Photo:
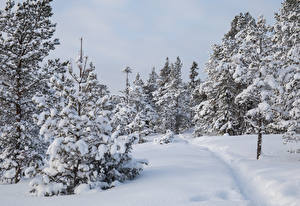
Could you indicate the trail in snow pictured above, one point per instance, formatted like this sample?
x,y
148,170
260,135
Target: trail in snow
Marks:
x,y
245,188
272,180
179,174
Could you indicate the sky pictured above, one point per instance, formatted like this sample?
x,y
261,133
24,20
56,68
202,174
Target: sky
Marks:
x,y
142,33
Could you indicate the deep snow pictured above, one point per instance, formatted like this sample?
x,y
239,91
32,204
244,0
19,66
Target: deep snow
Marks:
x,y
210,171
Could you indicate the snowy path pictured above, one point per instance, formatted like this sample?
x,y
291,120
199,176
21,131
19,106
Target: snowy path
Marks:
x,y
191,175
178,174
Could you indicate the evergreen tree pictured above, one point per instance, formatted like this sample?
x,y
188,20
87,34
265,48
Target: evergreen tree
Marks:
x,y
293,131
259,117
123,114
194,81
171,99
25,40
151,85
227,117
163,80
145,119
254,65
203,119
206,107
218,113
257,98
83,151
127,71
286,49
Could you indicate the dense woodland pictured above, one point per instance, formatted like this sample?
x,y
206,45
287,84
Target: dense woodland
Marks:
x,y
59,123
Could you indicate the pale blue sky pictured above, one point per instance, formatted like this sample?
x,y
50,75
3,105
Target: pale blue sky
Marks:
x,y
142,33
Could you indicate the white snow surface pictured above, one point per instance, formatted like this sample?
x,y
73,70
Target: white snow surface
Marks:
x,y
204,171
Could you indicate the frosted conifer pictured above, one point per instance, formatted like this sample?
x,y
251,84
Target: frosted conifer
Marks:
x,y
25,40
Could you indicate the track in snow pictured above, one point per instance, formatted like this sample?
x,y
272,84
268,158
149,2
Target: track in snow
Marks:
x,y
178,174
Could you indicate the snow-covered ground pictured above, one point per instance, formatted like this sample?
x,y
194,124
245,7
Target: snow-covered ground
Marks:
x,y
210,171
273,180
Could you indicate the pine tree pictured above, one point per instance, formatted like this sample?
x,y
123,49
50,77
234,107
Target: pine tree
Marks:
x,y
218,113
254,61
164,75
83,150
181,97
227,115
151,85
287,46
123,114
256,99
259,117
293,131
145,119
194,81
206,106
158,96
286,59
127,71
171,99
25,40
203,119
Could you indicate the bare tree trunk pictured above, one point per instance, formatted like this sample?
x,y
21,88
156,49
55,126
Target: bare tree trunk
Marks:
x,y
259,144
177,119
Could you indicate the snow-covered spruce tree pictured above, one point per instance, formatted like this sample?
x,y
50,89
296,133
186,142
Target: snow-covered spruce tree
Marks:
x,y
239,63
256,99
194,82
254,62
194,79
260,93
227,117
25,40
83,151
144,122
206,107
124,111
181,95
123,114
171,99
286,59
218,113
293,131
233,66
163,80
151,85
202,119
127,71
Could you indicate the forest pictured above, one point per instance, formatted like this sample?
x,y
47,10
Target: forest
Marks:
x,y
62,128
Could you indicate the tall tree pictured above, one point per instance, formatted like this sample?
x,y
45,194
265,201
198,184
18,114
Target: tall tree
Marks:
x,y
171,99
26,33
286,59
194,80
127,71
219,106
146,117
293,130
151,84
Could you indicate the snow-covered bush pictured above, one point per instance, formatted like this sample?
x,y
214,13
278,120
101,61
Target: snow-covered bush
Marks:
x,y
166,139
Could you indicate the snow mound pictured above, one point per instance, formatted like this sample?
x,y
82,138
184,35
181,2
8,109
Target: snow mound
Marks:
x,y
166,139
